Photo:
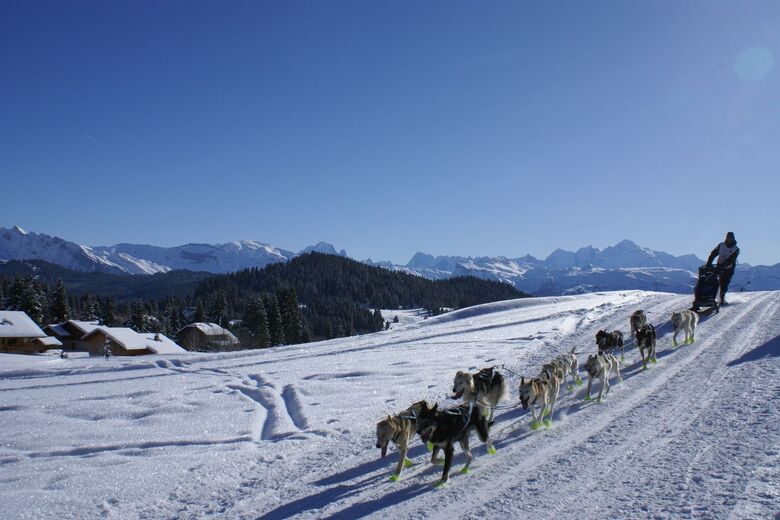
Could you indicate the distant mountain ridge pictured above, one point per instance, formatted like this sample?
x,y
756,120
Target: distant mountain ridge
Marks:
x,y
625,265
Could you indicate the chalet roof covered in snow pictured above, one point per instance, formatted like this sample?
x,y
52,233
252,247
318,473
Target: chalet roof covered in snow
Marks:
x,y
85,326
132,340
49,341
57,329
210,329
17,324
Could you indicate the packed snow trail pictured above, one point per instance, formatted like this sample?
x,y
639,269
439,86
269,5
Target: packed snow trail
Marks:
x,y
289,432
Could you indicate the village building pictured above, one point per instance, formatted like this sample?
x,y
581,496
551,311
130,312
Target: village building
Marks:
x,y
20,334
206,336
124,341
71,332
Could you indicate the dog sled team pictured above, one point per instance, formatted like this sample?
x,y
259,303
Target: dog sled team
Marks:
x,y
442,428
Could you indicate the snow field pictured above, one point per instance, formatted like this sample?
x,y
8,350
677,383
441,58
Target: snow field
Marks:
x,y
289,432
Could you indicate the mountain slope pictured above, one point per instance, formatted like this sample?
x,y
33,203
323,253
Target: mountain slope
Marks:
x,y
289,432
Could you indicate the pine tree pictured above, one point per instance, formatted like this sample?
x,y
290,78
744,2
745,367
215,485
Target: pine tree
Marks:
x,y
60,310
91,308
256,322
200,314
218,310
172,314
291,316
108,312
18,288
138,318
275,327
31,301
181,319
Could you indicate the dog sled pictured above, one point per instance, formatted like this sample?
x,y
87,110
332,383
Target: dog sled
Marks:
x,y
706,291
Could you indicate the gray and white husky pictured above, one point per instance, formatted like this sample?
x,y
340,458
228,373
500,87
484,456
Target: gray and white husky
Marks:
x,y
685,321
599,366
563,365
485,388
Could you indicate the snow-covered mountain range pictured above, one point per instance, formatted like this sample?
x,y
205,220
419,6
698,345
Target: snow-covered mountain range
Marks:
x,y
625,265
17,244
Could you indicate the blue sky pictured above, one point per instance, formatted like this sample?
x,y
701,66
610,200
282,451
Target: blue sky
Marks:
x,y
386,128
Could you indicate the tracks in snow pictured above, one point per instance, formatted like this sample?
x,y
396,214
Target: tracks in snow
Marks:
x,y
281,412
637,442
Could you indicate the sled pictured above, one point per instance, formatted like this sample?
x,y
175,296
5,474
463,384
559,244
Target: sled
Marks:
x,y
706,291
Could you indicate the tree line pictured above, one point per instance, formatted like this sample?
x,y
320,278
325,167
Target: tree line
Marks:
x,y
312,297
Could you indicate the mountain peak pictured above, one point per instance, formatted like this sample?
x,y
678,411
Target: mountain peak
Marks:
x,y
626,244
323,247
19,230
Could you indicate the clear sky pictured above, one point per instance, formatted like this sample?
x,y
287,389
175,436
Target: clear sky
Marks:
x,y
390,127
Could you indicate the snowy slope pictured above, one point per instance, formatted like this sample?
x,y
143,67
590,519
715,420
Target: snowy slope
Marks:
x,y
289,432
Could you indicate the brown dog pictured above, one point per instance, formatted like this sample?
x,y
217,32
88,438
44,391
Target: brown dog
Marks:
x,y
399,429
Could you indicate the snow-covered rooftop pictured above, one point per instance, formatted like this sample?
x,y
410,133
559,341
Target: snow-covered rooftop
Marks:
x,y
17,324
132,340
84,326
210,329
58,329
49,341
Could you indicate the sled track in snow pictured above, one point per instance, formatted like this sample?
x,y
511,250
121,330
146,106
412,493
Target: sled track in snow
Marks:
x,y
632,446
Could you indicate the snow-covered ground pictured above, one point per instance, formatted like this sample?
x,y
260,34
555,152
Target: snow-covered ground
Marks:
x,y
289,432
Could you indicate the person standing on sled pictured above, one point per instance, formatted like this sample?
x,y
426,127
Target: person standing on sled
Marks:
x,y
727,252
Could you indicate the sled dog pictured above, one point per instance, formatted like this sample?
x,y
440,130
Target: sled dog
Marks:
x,y
684,321
443,428
599,366
568,363
610,341
645,340
487,387
637,321
539,391
399,429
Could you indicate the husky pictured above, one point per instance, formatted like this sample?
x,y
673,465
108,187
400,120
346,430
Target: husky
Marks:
x,y
598,366
645,340
684,321
609,341
443,428
568,366
637,321
487,388
555,369
539,391
399,429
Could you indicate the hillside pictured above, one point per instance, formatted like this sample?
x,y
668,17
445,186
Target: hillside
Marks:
x,y
120,287
288,432
317,276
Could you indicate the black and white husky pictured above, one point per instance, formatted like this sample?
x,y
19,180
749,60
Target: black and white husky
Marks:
x,y
486,388
598,366
685,321
645,340
610,341
443,428
637,321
